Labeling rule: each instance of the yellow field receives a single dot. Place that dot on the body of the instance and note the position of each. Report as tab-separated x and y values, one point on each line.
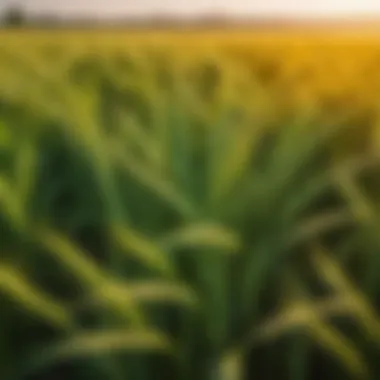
270	75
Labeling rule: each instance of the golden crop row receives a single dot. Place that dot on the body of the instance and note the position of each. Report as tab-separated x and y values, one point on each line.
270	75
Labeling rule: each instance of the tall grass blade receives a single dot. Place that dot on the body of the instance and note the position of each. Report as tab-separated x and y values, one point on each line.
89	274
144	250
307	317
202	235
27	295
361	308
98	345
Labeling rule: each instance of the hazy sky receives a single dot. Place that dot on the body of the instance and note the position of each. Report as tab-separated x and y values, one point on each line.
292	8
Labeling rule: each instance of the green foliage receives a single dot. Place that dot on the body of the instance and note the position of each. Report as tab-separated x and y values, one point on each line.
139	237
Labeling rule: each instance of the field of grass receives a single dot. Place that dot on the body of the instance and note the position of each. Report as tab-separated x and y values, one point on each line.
180	205
277	74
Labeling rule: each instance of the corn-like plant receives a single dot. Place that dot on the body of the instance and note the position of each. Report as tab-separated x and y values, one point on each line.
147	234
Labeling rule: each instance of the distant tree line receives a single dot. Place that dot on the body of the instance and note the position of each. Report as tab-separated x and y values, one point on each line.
16	16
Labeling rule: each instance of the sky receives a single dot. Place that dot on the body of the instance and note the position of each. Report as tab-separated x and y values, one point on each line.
258	8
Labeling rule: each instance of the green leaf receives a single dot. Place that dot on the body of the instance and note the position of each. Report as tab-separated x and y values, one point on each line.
360	307
78	262
231	366
10	205
154	292
5	135
25	170
202	235
158	185
145	251
27	295
306	316
102	342
89	274
98	345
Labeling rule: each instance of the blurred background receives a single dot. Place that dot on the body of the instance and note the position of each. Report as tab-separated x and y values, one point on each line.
283	10
189	190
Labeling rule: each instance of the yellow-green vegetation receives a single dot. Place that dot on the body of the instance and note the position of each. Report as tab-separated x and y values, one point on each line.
267	75
188	205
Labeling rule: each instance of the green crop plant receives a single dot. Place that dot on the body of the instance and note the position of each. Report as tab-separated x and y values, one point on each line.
143	236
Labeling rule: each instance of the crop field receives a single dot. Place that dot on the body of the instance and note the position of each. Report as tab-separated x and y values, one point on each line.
189	205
